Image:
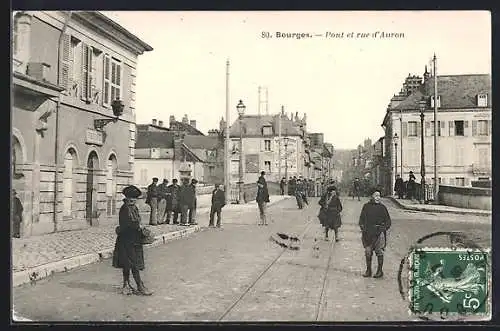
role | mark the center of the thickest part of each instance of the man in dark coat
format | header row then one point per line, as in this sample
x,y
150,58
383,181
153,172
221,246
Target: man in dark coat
x,y
262,198
17,215
218,201
162,201
186,200
411,186
173,202
374,222
194,205
399,186
356,188
299,192
152,201
282,186
128,254
329,214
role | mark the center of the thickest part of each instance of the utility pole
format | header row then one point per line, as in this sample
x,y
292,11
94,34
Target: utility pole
x,y
436,124
227,161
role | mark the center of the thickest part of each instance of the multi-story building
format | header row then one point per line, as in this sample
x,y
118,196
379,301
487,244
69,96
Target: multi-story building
x,y
275,144
464,131
73,117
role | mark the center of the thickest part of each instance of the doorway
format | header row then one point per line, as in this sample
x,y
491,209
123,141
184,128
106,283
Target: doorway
x,y
91,201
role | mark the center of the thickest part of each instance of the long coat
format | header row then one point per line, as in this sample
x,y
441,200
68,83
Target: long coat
x,y
128,251
262,192
373,220
218,199
187,196
173,198
329,214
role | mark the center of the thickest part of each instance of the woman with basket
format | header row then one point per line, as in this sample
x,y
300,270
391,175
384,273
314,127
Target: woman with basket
x,y
329,214
128,254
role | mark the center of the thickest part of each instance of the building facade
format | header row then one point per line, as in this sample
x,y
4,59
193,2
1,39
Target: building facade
x,y
464,131
74,79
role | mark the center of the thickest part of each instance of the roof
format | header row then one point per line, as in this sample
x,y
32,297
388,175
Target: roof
x,y
147,127
153,139
252,125
179,126
201,142
455,91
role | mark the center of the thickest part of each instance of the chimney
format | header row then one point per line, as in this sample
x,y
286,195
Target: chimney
x,y
160,123
212,133
192,123
154,121
185,119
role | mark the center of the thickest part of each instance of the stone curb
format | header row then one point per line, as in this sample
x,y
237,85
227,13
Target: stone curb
x,y
45,270
431,210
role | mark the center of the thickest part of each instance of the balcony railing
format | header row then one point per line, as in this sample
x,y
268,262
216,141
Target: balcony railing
x,y
481,169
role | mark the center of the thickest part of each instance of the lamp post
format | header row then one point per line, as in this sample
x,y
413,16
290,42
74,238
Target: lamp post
x,y
285,142
241,111
396,139
422,105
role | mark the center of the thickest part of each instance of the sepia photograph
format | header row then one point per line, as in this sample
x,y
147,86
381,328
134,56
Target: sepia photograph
x,y
251,166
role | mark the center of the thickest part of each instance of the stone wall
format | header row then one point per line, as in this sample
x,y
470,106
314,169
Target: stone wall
x,y
465,197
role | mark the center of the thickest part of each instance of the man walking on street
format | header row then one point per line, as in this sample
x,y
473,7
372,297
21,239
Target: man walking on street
x,y
356,187
374,222
399,187
192,209
152,201
173,202
282,186
411,186
162,201
218,201
262,198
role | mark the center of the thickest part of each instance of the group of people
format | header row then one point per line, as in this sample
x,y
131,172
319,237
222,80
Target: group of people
x,y
374,222
310,187
406,189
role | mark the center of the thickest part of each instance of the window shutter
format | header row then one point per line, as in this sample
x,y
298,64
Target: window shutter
x,y
474,128
107,81
419,128
86,71
466,128
65,65
489,127
451,128
93,78
405,129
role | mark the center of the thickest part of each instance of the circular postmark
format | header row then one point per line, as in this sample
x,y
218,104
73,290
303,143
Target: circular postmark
x,y
446,276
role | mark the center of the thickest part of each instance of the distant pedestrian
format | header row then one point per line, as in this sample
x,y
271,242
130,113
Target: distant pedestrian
x,y
194,205
152,201
186,201
17,215
218,201
411,186
356,188
128,254
262,198
299,192
282,186
399,187
329,214
173,206
162,201
374,222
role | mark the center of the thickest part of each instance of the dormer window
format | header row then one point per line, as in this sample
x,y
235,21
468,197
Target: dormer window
x,y
482,100
267,130
438,101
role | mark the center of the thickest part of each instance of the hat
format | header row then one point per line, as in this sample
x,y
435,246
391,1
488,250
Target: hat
x,y
194,181
376,189
332,188
132,192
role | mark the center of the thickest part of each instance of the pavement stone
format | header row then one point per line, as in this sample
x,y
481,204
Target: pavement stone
x,y
41,256
414,205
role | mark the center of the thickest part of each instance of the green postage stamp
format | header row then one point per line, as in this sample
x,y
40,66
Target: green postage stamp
x,y
447,282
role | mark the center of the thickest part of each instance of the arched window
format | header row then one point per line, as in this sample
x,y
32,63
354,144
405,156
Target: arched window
x,y
70,162
112,167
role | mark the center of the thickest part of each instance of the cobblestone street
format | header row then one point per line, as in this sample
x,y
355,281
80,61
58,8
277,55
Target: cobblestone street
x,y
237,274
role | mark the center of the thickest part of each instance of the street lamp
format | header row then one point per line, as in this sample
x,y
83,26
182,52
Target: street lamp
x,y
396,139
285,142
422,105
241,111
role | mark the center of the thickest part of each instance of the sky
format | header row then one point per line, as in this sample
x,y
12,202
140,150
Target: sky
x,y
343,81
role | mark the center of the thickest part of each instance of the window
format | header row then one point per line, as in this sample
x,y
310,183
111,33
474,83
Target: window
x,y
459,181
267,165
412,129
112,80
482,128
438,101
430,128
75,64
267,130
267,145
482,100
459,128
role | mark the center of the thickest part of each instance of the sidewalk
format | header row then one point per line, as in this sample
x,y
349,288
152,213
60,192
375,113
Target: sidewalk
x,y
37,257
415,205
